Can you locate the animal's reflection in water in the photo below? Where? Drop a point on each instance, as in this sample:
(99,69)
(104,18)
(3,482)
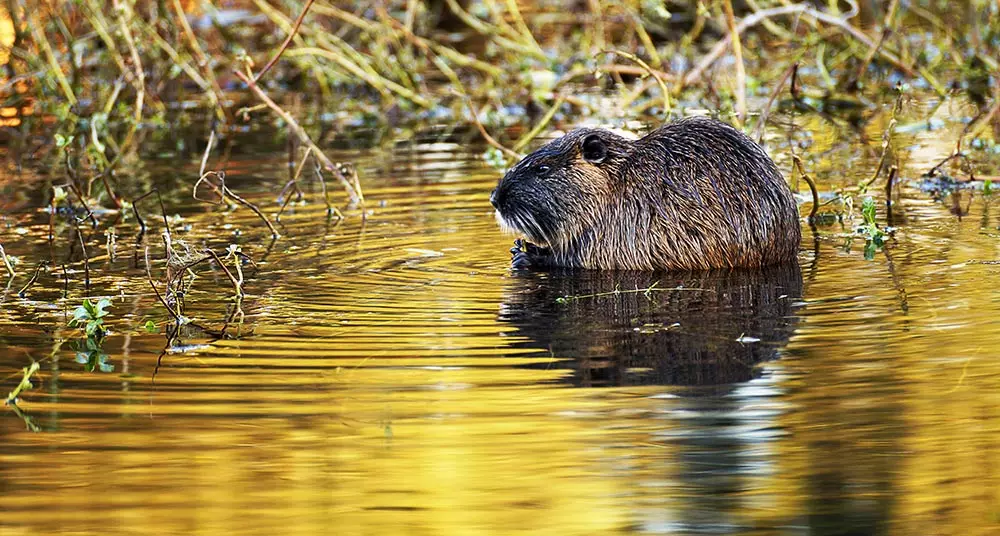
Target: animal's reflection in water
(705,328)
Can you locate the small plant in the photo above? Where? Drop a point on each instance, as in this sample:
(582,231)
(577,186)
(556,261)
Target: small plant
(89,351)
(988,187)
(874,236)
(91,317)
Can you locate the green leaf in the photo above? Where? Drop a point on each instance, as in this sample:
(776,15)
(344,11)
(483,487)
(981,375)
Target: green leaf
(63,141)
(79,315)
(89,307)
(868,210)
(101,305)
(870,248)
(150,327)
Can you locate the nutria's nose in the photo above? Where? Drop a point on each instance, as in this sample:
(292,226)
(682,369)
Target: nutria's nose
(493,198)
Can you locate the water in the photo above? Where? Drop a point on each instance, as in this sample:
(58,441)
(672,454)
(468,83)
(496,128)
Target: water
(393,376)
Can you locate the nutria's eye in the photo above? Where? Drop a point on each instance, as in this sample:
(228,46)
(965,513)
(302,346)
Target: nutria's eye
(543,169)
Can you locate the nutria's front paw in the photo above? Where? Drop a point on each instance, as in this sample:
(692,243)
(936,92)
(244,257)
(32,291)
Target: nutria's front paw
(525,255)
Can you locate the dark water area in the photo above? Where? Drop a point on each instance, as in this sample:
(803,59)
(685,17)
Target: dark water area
(393,376)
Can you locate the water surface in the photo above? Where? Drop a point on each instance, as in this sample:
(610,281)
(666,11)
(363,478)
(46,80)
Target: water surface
(392,376)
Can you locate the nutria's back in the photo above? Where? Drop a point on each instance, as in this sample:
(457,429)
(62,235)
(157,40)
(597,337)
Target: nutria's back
(693,194)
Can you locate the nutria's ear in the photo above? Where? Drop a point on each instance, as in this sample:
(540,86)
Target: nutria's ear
(593,149)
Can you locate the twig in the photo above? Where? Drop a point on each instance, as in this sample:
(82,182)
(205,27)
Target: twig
(484,29)
(886,30)
(645,291)
(794,88)
(149,277)
(486,135)
(380,83)
(6,262)
(138,217)
(812,187)
(293,182)
(203,60)
(648,70)
(330,209)
(237,283)
(523,141)
(288,40)
(34,277)
(86,263)
(741,76)
(140,74)
(208,150)
(352,190)
(38,32)
(770,100)
(226,191)
(888,190)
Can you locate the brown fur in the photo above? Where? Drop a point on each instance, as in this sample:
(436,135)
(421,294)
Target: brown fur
(693,194)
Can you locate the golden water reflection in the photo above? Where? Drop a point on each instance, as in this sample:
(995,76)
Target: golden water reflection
(397,379)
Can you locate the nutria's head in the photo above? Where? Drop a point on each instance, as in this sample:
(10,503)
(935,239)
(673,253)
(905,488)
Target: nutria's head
(553,192)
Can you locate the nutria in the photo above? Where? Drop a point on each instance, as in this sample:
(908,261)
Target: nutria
(694,194)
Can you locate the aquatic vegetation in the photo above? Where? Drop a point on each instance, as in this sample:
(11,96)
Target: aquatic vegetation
(27,373)
(874,235)
(90,317)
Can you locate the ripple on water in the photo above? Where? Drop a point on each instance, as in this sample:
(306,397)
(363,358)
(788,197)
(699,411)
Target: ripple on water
(395,377)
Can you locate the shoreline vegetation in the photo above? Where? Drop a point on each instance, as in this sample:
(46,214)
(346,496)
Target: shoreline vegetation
(101,74)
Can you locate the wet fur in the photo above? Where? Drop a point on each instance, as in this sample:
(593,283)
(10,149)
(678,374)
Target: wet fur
(693,194)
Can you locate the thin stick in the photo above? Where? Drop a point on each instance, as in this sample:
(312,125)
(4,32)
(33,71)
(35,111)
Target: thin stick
(208,150)
(812,187)
(149,277)
(38,32)
(886,144)
(226,191)
(6,262)
(237,283)
(486,135)
(330,209)
(352,190)
(741,75)
(34,277)
(203,61)
(293,181)
(770,100)
(140,74)
(251,206)
(86,264)
(888,185)
(138,217)
(526,139)
(649,70)
(288,40)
